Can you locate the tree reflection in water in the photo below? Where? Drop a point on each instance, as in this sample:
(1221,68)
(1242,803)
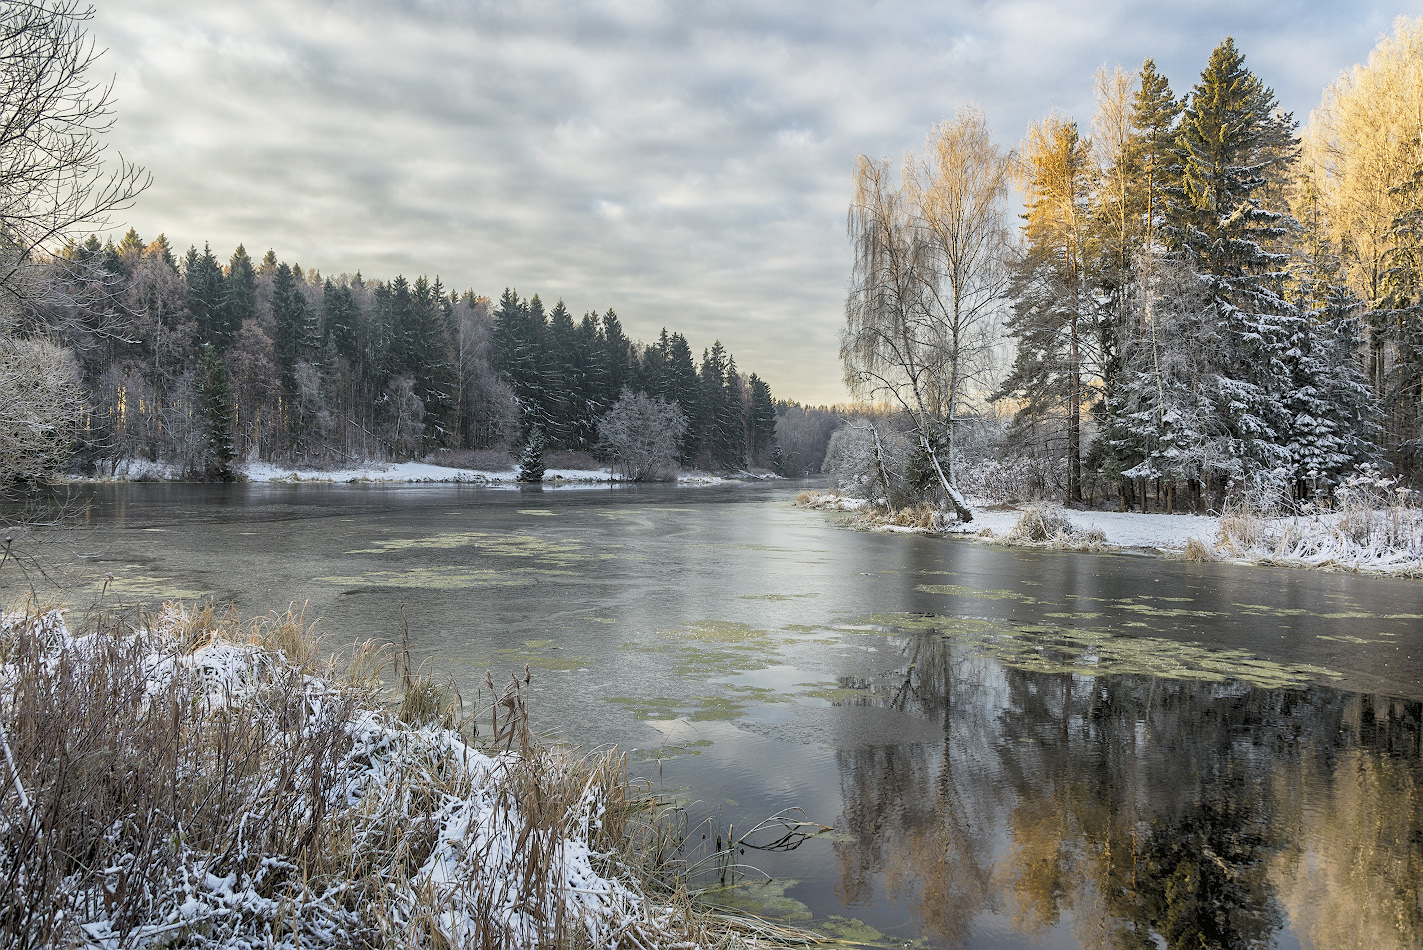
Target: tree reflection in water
(1135,809)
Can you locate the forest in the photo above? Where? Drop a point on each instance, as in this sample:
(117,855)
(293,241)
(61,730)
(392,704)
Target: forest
(200,363)
(1201,301)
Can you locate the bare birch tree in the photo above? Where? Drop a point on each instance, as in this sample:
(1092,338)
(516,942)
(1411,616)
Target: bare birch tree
(928,282)
(55,173)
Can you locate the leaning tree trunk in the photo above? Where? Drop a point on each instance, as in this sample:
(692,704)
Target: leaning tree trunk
(883,472)
(955,496)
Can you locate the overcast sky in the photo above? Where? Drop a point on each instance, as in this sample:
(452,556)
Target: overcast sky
(686,163)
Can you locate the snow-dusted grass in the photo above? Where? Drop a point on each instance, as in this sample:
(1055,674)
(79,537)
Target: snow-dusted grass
(1360,535)
(202,783)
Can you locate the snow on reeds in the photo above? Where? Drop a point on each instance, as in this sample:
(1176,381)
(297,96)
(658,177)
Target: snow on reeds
(830,501)
(202,783)
(1374,527)
(1045,526)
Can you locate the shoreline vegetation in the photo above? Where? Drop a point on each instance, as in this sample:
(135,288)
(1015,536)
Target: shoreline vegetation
(1362,535)
(189,779)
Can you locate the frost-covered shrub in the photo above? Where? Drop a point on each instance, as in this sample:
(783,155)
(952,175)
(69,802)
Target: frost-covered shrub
(641,435)
(1041,524)
(40,405)
(851,464)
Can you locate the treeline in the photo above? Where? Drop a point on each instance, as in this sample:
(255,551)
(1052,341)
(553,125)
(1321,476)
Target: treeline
(1199,301)
(199,362)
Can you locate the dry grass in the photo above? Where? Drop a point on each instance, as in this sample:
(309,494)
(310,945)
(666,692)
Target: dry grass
(1198,552)
(193,780)
(924,516)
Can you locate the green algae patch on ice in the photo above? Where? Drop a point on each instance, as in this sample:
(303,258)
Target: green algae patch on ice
(692,708)
(982,593)
(428,578)
(494,544)
(832,694)
(671,750)
(765,898)
(542,655)
(839,931)
(132,582)
(1045,649)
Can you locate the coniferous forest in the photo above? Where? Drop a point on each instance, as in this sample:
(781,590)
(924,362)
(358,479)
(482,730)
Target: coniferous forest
(199,362)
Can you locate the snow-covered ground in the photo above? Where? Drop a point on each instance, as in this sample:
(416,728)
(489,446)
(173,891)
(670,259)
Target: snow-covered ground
(1388,541)
(415,473)
(1122,529)
(404,473)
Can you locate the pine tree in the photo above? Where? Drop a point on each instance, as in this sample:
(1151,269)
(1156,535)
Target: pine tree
(1151,166)
(340,321)
(562,379)
(291,338)
(619,360)
(761,424)
(683,387)
(205,293)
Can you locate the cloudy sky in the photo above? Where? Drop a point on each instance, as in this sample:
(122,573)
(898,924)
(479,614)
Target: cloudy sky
(686,163)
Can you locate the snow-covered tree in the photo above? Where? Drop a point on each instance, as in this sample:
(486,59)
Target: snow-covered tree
(1226,223)
(531,463)
(1054,310)
(641,435)
(927,281)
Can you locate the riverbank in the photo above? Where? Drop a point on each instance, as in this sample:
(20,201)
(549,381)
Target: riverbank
(1385,541)
(408,473)
(199,781)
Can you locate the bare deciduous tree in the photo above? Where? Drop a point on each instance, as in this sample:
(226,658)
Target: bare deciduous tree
(40,403)
(642,435)
(928,281)
(55,174)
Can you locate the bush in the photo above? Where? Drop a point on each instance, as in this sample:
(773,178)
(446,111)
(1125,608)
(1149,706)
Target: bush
(641,435)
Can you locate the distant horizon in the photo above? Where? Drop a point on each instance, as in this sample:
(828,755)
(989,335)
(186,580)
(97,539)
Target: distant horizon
(686,168)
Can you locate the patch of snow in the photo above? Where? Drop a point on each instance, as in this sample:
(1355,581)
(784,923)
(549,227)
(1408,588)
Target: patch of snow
(1392,544)
(415,473)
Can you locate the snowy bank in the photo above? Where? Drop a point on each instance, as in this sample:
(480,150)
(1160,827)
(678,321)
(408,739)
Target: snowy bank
(175,786)
(406,473)
(1386,542)
(410,473)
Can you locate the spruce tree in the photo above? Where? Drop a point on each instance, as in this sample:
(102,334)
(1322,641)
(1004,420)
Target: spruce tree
(1233,146)
(1054,313)
(215,391)
(683,387)
(205,293)
(239,298)
(531,462)
(761,424)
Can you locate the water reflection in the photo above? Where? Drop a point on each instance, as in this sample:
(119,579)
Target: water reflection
(1117,811)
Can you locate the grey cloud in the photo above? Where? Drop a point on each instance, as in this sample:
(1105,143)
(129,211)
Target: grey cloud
(685,163)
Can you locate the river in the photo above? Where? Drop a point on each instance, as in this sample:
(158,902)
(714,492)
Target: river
(1014,748)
